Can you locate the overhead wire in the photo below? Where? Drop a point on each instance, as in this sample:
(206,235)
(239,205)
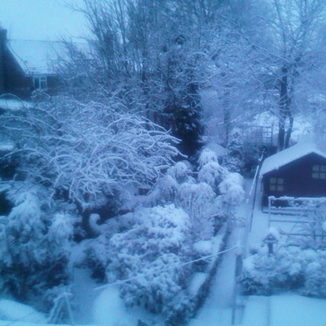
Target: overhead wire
(166,268)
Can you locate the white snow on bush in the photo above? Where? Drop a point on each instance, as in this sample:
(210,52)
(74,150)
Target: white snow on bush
(153,248)
(207,156)
(232,189)
(203,247)
(198,200)
(180,171)
(211,173)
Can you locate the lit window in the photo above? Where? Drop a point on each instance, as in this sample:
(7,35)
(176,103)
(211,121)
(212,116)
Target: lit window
(40,82)
(276,184)
(319,172)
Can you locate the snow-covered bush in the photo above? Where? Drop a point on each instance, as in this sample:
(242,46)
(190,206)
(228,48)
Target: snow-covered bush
(232,190)
(198,200)
(288,268)
(212,173)
(164,192)
(151,254)
(207,156)
(234,161)
(315,276)
(199,197)
(87,149)
(264,274)
(36,243)
(181,172)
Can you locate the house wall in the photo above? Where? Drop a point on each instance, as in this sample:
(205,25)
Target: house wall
(53,84)
(16,82)
(3,37)
(13,78)
(298,181)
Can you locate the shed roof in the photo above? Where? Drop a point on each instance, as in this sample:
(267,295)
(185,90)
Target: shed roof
(289,155)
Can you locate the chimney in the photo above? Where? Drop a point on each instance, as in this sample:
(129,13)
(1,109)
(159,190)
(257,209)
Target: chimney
(3,40)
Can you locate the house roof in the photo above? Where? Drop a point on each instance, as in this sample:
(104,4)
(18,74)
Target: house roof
(40,57)
(289,155)
(36,57)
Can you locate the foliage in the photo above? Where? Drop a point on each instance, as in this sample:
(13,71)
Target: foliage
(36,239)
(153,248)
(87,150)
(289,268)
(198,200)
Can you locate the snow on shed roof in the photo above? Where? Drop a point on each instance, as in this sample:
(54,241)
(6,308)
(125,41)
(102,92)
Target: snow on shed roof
(36,57)
(289,155)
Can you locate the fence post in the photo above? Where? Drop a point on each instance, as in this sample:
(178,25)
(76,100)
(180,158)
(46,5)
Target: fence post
(237,273)
(269,210)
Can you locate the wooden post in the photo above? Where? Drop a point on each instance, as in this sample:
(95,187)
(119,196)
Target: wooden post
(269,211)
(237,273)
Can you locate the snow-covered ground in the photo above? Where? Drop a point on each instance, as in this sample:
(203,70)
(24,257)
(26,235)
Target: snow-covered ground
(284,310)
(13,103)
(218,307)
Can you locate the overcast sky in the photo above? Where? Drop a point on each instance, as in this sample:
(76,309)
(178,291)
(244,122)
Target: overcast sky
(41,19)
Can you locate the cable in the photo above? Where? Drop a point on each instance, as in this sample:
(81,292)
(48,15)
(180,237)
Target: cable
(164,269)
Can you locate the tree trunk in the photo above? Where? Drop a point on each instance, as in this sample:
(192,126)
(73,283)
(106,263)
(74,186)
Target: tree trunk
(284,111)
(289,130)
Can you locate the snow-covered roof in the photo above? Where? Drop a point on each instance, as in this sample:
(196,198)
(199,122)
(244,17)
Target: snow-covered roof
(289,155)
(40,57)
(36,57)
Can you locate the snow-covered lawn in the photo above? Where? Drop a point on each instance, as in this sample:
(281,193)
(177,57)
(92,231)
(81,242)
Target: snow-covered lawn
(284,310)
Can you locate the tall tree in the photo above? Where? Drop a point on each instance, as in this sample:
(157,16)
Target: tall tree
(287,50)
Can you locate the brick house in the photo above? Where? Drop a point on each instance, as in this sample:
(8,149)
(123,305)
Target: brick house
(28,65)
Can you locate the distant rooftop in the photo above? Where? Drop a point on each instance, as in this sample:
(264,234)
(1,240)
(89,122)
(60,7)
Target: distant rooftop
(38,57)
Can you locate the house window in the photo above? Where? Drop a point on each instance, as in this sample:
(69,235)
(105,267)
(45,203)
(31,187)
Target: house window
(319,171)
(40,82)
(276,184)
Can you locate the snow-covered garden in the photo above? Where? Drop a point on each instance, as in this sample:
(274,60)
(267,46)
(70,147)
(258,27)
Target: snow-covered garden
(131,194)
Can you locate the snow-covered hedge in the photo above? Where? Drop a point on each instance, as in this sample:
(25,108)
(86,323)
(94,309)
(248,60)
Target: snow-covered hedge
(289,268)
(35,244)
(149,253)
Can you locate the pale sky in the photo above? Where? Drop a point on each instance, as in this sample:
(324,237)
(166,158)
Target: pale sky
(41,19)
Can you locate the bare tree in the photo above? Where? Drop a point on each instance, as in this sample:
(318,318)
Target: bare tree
(289,46)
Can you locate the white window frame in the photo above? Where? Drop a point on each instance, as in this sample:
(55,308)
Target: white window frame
(40,82)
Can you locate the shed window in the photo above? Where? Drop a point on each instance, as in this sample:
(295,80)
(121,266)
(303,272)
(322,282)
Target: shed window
(319,171)
(276,184)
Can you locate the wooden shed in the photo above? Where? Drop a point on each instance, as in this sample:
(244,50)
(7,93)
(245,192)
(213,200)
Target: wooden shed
(298,171)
